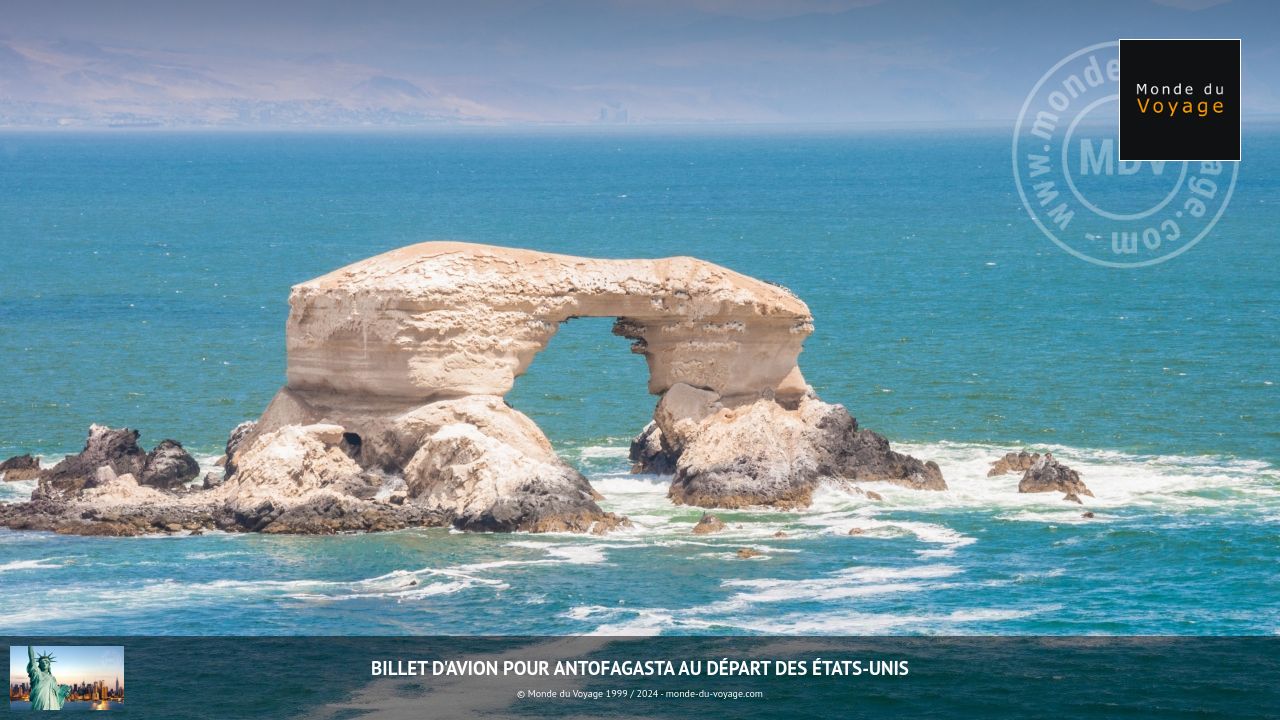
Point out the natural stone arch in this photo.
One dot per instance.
(444, 320)
(413, 351)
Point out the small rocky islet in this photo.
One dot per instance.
(1041, 473)
(393, 413)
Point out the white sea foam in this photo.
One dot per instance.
(569, 553)
(852, 582)
(1121, 482)
(863, 623)
(1117, 479)
(16, 491)
(612, 484)
(652, 621)
(29, 565)
(834, 590)
(402, 585)
(598, 452)
(645, 622)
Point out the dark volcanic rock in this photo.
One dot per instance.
(1013, 462)
(869, 459)
(21, 467)
(114, 448)
(324, 516)
(168, 466)
(539, 508)
(58, 515)
(649, 454)
(234, 440)
(1048, 475)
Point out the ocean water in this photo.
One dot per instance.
(144, 278)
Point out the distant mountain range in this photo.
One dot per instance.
(84, 85)
(337, 64)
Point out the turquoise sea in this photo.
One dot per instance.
(144, 278)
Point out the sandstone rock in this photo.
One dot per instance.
(446, 319)
(114, 491)
(114, 448)
(780, 534)
(473, 461)
(20, 467)
(857, 531)
(1087, 514)
(1048, 475)
(391, 347)
(748, 553)
(483, 482)
(766, 454)
(708, 524)
(301, 479)
(292, 466)
(1013, 462)
(169, 466)
(873, 495)
(397, 348)
(680, 411)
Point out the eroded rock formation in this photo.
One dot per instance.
(397, 348)
(393, 410)
(445, 320)
(412, 351)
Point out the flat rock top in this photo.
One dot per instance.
(501, 275)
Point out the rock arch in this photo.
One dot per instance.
(444, 320)
(413, 351)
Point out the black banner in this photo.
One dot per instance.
(335, 678)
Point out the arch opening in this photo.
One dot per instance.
(587, 391)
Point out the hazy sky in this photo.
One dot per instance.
(389, 62)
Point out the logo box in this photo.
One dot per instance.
(1180, 100)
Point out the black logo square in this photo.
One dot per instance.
(1180, 99)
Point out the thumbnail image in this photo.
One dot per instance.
(66, 677)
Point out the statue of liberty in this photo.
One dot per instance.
(46, 693)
